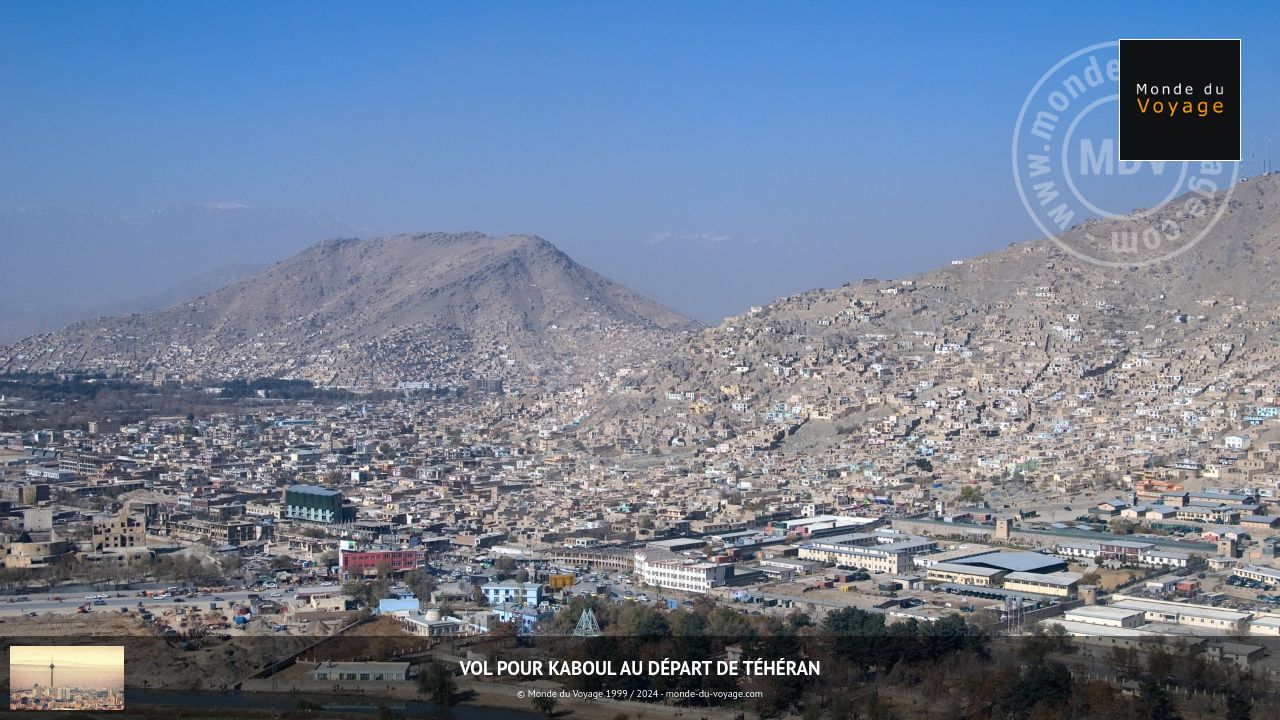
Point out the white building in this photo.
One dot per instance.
(1164, 558)
(1267, 575)
(1129, 553)
(1077, 549)
(1106, 616)
(1237, 442)
(1195, 616)
(512, 591)
(1265, 626)
(430, 623)
(876, 553)
(664, 570)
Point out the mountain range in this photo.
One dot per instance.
(447, 306)
(425, 307)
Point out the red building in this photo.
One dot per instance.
(357, 563)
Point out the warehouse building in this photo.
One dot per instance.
(1106, 616)
(958, 574)
(1030, 562)
(1059, 584)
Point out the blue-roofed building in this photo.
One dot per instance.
(1029, 562)
(388, 606)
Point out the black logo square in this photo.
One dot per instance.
(1180, 100)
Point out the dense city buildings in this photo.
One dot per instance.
(1031, 463)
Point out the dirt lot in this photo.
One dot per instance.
(89, 625)
(1108, 579)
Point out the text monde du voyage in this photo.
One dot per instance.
(1179, 99)
(759, 666)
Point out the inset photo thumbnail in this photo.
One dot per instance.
(66, 677)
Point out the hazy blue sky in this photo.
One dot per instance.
(807, 144)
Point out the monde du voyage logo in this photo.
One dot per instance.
(1180, 100)
(1170, 145)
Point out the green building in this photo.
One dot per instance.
(316, 504)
